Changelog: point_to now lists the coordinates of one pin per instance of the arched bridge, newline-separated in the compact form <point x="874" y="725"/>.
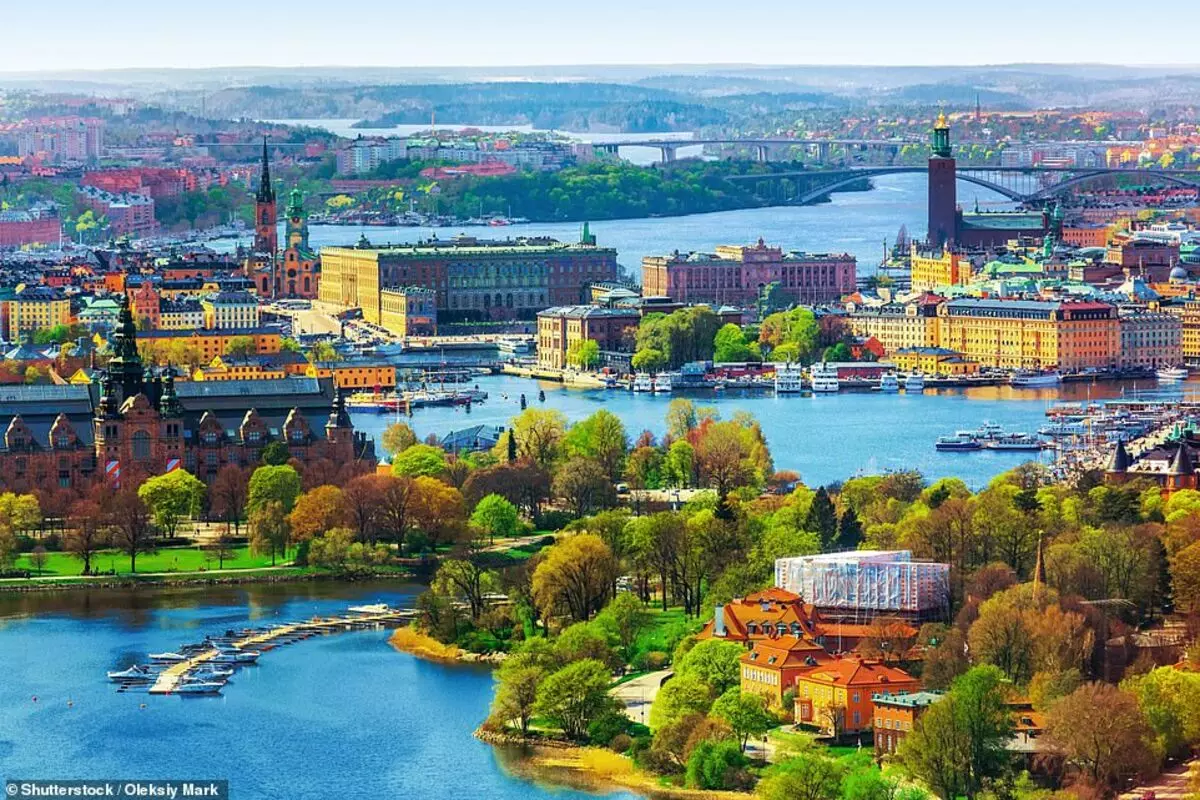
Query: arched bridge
<point x="1019" y="184"/>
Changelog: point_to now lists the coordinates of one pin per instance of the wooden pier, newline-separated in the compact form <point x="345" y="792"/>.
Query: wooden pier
<point x="368" y="616"/>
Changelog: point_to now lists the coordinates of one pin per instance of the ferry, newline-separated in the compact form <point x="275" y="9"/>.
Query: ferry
<point x="663" y="383"/>
<point x="1015" y="441"/>
<point x="642" y="382"/>
<point x="959" y="442"/>
<point x="824" y="377"/>
<point x="888" y="383"/>
<point x="788" y="379"/>
<point x="1178" y="373"/>
<point x="515" y="347"/>
<point x="914" y="383"/>
<point x="1028" y="380"/>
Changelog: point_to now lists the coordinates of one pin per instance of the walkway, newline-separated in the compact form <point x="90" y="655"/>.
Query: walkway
<point x="638" y="694"/>
<point x="1171" y="785"/>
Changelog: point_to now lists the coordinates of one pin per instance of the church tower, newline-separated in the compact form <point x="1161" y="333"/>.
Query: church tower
<point x="266" y="235"/>
<point x="943" y="197"/>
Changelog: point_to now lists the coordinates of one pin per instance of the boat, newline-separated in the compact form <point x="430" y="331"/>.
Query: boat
<point x="235" y="657"/>
<point x="136" y="672"/>
<point x="213" y="672"/>
<point x="889" y="383"/>
<point x="988" y="430"/>
<point x="1015" y="441"/>
<point x="199" y="687"/>
<point x="958" y="442"/>
<point x="914" y="382"/>
<point x="663" y="383"/>
<point x="515" y="347"/>
<point x="824" y="377"/>
<point x="1178" y="373"/>
<point x="642" y="382"/>
<point x="788" y="379"/>
<point x="172" y="657"/>
<point x="1028" y="379"/>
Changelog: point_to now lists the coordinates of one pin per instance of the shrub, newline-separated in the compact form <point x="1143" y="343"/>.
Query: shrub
<point x="640" y="748"/>
<point x="717" y="765"/>
<point x="554" y="520"/>
<point x="650" y="661"/>
<point x="620" y="743"/>
<point x="606" y="727"/>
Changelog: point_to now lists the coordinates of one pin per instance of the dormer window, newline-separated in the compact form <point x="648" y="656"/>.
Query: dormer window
<point x="254" y="437"/>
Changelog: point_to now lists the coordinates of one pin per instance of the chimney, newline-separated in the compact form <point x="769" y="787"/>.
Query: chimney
<point x="719" y="621"/>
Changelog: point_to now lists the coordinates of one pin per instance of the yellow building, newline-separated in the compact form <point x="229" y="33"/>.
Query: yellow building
<point x="33" y="308"/>
<point x="1031" y="334"/>
<point x="899" y="326"/>
<point x="932" y="269"/>
<point x="226" y="368"/>
<point x="156" y="345"/>
<point x="353" y="375"/>
<point x="225" y="310"/>
<point x="933" y="361"/>
<point x="408" y="311"/>
<point x="1191" y="332"/>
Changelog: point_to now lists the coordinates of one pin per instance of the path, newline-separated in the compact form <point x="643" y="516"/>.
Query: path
<point x="637" y="694"/>
<point x="1171" y="785"/>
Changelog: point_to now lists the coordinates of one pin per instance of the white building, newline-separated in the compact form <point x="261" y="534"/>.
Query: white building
<point x="867" y="583"/>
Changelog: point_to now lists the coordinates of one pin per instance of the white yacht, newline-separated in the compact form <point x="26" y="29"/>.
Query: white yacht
<point x="1028" y="379"/>
<point x="1178" y="373"/>
<point x="824" y="377"/>
<point x="663" y="383"/>
<point x="788" y="379"/>
<point x="889" y="383"/>
<point x="642" y="382"/>
<point x="914" y="383"/>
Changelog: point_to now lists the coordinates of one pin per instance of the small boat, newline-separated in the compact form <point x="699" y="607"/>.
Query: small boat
<point x="914" y="382"/>
<point x="959" y="442"/>
<point x="136" y="672"/>
<point x="516" y="347"/>
<point x="213" y="672"/>
<point x="824" y="377"/>
<point x="1028" y="380"/>
<point x="199" y="687"/>
<point x="642" y="382"/>
<point x="989" y="430"/>
<point x="1178" y="373"/>
<point x="1015" y="441"/>
<point x="788" y="379"/>
<point x="663" y="383"/>
<point x="888" y="383"/>
<point x="172" y="657"/>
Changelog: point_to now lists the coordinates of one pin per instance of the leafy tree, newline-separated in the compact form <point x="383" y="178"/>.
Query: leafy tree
<point x="128" y="520"/>
<point x="86" y="534"/>
<point x="715" y="662"/>
<point x="468" y="580"/>
<point x="1185" y="578"/>
<point x="1101" y="731"/>
<point x="398" y="437"/>
<point x="330" y="550"/>
<point x="318" y="510"/>
<point x="516" y="694"/>
<point x="680" y="696"/>
<point x="679" y="467"/>
<point x="574" y="576"/>
<point x="240" y="347"/>
<point x="730" y="345"/>
<point x="583" y="483"/>
<point x="419" y="460"/>
<point x="275" y="454"/>
<point x="822" y="518"/>
<point x="806" y="776"/>
<point x="850" y="533"/>
<point x="1170" y="700"/>
<point x="681" y="417"/>
<point x="497" y="516"/>
<point x="745" y="712"/>
<point x="271" y="484"/>
<point x="436" y="509"/>
<point x="172" y="496"/>
<point x="649" y="360"/>
<point x="716" y="765"/>
<point x="574" y="696"/>
<point x="601" y="437"/>
<point x="584" y="353"/>
<point x="229" y="493"/>
<point x="624" y="618"/>
<point x="269" y="527"/>
<point x="539" y="434"/>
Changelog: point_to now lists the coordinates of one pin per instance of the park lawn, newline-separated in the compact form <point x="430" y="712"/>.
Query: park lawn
<point x="174" y="559"/>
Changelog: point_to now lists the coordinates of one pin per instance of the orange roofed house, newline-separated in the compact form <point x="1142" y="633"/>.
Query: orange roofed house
<point x="772" y="665"/>
<point x="763" y="615"/>
<point x="836" y="696"/>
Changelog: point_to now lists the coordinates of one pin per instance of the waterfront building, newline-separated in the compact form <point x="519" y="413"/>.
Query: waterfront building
<point x="133" y="422"/>
<point x="1031" y="334"/>
<point x="20" y="228"/>
<point x="932" y="268"/>
<point x="224" y="310"/>
<point x="736" y="275"/>
<point x="562" y="328"/>
<point x="32" y="308"/>
<point x="1150" y="339"/>
<point x="353" y="374"/>
<point x="933" y="361"/>
<point x="408" y="310"/>
<point x="474" y="279"/>
<point x="895" y="715"/>
<point x="1189" y="318"/>
<point x="898" y="326"/>
<point x="770" y="668"/>
<point x="836" y="697"/>
<point x="230" y="368"/>
<point x="127" y="214"/>
<point x="867" y="583"/>
<point x="207" y="344"/>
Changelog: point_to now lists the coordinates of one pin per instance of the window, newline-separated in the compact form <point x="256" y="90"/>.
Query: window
<point x="209" y="437"/>
<point x="141" y="446"/>
<point x="254" y="437"/>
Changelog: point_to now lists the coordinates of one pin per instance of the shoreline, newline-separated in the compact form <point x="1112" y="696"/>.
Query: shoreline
<point x="409" y="640"/>
<point x="158" y="581"/>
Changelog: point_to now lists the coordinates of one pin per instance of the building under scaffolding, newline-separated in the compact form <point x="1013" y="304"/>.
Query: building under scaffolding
<point x="862" y="584"/>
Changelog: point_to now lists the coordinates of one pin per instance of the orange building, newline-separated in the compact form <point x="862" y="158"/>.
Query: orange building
<point x="1087" y="237"/>
<point x="836" y="696"/>
<point x="354" y="376"/>
<point x="773" y="665"/>
<point x="768" y="614"/>
<point x="895" y="715"/>
<point x="211" y="344"/>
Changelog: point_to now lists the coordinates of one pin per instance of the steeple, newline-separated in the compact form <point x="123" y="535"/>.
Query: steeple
<point x="125" y="365"/>
<point x="169" y="405"/>
<point x="265" y="193"/>
<point x="941" y="136"/>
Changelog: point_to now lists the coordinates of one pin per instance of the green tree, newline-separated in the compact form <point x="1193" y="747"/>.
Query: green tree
<point x="680" y="696"/>
<point x="806" y="776"/>
<point x="419" y="460"/>
<point x="539" y="434"/>
<point x="715" y="662"/>
<point x="822" y="518"/>
<point x="624" y="618"/>
<point x="730" y="345"/>
<point x="240" y="347"/>
<point x="745" y="712"/>
<point x="679" y="467"/>
<point x="574" y="696"/>
<point x="171" y="497"/>
<point x="398" y="437"/>
<point x="602" y="437"/>
<point x="716" y="765"/>
<point x="516" y="694"/>
<point x="584" y="353"/>
<point x="649" y="359"/>
<point x="584" y="485"/>
<point x="497" y="516"/>
<point x="269" y="530"/>
<point x="273" y="484"/>
<point x="275" y="454"/>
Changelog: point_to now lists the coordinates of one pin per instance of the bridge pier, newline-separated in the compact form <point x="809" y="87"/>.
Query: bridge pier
<point x="762" y="154"/>
<point x="607" y="149"/>
<point x="823" y="149"/>
<point x="668" y="152"/>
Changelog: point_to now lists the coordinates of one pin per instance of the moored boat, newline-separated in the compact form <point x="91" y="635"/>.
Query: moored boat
<point x="171" y="657"/>
<point x="1029" y="379"/>
<point x="958" y="442"/>
<point x="788" y="379"/>
<point x="914" y="382"/>
<point x="889" y="383"/>
<point x="824" y="377"/>
<point x="642" y="382"/>
<point x="1178" y="373"/>
<point x="663" y="383"/>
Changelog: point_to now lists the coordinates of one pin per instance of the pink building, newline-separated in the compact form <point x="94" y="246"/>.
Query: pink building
<point x="735" y="275"/>
<point x="127" y="214"/>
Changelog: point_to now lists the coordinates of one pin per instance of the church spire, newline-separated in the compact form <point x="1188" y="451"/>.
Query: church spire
<point x="265" y="193"/>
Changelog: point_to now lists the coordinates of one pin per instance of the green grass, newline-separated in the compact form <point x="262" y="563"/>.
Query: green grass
<point x="175" y="559"/>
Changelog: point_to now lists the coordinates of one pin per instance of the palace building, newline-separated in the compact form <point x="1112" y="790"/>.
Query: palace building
<point x="133" y="420"/>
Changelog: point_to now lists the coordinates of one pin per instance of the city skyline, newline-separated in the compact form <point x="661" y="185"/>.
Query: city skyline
<point x="277" y="34"/>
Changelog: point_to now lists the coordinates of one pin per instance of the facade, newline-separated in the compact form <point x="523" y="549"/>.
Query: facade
<point x="474" y="279"/>
<point x="408" y="310"/>
<point x="836" y="697"/>
<point x="364" y="154"/>
<point x="943" y="187"/>
<point x="895" y="715"/>
<point x="20" y="228"/>
<point x="736" y="275"/>
<point x="772" y="666"/>
<point x="933" y="361"/>
<point x="32" y="308"/>
<point x="899" y="326"/>
<point x="867" y="583"/>
<point x="61" y="140"/>
<point x="208" y="343"/>
<point x="354" y="375"/>
<point x="1032" y="334"/>
<point x="564" y="327"/>
<point x="300" y="271"/>
<point x="768" y="614"/>
<point x="940" y="267"/>
<point x="1150" y="339"/>
<point x="128" y="214"/>
<point x="180" y="315"/>
<point x="225" y="310"/>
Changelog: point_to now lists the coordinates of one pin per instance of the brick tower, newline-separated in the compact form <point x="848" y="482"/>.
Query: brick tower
<point x="943" y="197"/>
<point x="266" y="235"/>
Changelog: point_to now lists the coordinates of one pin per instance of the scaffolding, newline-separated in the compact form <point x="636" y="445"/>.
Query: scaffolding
<point x="867" y="583"/>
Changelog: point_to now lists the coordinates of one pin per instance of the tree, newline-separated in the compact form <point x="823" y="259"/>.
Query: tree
<point x="222" y="547"/>
<point x="465" y="579"/>
<point x="129" y="522"/>
<point x="396" y="508"/>
<point x="419" y="460"/>
<point x="86" y="533"/>
<point x="227" y="498"/>
<point x="584" y="353"/>
<point x="648" y="360"/>
<point x="730" y="345"/>
<point x="37" y="557"/>
<point x="318" y="510"/>
<point x="731" y="454"/>
<point x="679" y="467"/>
<point x="331" y="549"/>
<point x="436" y="509"/>
<point x="496" y="516"/>
<point x="516" y="694"/>
<point x="850" y="532"/>
<point x="681" y="417"/>
<point x="822" y="518"/>
<point x="680" y="696"/>
<point x="624" y="618"/>
<point x="574" y="576"/>
<point x="275" y="454"/>
<point x="539" y="434"/>
<point x="717" y="765"/>
<point x="583" y="483"/>
<point x="1170" y="700"/>
<point x="271" y="484"/>
<point x="240" y="347"/>
<point x="269" y="527"/>
<point x="745" y="712"/>
<point x="364" y="496"/>
<point x="806" y="776"/>
<point x="398" y="437"/>
<point x="575" y="695"/>
<point x="1185" y="578"/>
<point x="172" y="496"/>
<point x="715" y="662"/>
<point x="1101" y="731"/>
<point x="601" y="437"/>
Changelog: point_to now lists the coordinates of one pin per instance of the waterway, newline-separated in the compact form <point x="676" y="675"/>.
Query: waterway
<point x="338" y="716"/>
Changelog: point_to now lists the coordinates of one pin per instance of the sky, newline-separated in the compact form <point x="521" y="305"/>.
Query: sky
<point x="105" y="34"/>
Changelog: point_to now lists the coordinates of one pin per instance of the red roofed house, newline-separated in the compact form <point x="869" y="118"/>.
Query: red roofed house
<point x="763" y="615"/>
<point x="836" y="696"/>
<point x="772" y="665"/>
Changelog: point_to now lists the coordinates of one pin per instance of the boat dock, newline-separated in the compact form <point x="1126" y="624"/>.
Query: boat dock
<point x="169" y="680"/>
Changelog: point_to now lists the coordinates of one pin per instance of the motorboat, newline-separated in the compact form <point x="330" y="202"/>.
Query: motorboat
<point x="199" y="687"/>
<point x="914" y="382"/>
<point x="1028" y="380"/>
<point x="1015" y="441"/>
<point x="170" y="657"/>
<point x="788" y="379"/>
<point x="135" y="673"/>
<point x="213" y="672"/>
<point x="642" y="382"/>
<point x="1178" y="373"/>
<point x="958" y="442"/>
<point x="663" y="383"/>
<point x="824" y="377"/>
<point x="889" y="383"/>
<point x="235" y="657"/>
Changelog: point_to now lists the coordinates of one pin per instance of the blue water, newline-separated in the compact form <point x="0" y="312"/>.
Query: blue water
<point x="338" y="716"/>
<point x="825" y="438"/>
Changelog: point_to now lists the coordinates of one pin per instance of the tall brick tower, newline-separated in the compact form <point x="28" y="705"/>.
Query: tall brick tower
<point x="266" y="235"/>
<point x="943" y="196"/>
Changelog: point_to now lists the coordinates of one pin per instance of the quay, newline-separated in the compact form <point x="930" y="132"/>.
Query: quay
<point x="360" y="617"/>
